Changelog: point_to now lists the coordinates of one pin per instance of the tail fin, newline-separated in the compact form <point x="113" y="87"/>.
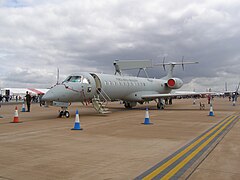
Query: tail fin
<point x="237" y="87"/>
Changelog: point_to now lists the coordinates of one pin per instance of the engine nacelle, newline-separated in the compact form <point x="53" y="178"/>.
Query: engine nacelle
<point x="174" y="83"/>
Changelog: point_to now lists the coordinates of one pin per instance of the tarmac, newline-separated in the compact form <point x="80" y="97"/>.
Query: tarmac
<point x="117" y="145"/>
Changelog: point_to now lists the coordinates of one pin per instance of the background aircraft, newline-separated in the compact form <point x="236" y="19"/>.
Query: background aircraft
<point x="233" y="95"/>
<point x="98" y="89"/>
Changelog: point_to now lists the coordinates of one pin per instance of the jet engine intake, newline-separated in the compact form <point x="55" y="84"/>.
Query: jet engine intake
<point x="174" y="83"/>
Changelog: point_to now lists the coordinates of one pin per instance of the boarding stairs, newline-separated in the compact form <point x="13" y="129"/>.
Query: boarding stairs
<point x="100" y="102"/>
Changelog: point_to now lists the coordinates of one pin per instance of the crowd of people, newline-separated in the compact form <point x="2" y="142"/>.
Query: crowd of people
<point x="4" y="98"/>
<point x="28" y="99"/>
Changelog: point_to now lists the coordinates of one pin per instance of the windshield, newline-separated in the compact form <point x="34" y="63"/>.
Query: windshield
<point x="73" y="79"/>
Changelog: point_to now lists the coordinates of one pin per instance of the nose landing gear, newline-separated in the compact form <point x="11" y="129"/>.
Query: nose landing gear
<point x="64" y="112"/>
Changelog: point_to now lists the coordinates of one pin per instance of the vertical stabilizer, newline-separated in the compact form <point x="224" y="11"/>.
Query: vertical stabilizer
<point x="170" y="70"/>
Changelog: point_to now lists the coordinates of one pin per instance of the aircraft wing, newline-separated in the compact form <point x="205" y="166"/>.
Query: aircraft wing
<point x="176" y="94"/>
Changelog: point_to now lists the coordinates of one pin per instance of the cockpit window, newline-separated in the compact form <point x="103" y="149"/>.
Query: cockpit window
<point x="73" y="79"/>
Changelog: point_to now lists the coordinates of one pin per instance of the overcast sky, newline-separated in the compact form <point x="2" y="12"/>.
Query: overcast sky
<point x="39" y="36"/>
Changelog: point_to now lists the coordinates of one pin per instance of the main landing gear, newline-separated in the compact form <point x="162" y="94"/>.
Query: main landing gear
<point x="160" y="104"/>
<point x="64" y="112"/>
<point x="129" y="105"/>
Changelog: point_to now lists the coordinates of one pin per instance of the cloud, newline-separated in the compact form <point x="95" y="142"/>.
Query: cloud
<point x="37" y="37"/>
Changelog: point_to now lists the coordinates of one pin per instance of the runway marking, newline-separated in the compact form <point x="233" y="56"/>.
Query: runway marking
<point x="176" y="164"/>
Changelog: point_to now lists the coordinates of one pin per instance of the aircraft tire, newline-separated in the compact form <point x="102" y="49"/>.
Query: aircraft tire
<point x="67" y="114"/>
<point x="128" y="105"/>
<point x="61" y="113"/>
<point x="160" y="106"/>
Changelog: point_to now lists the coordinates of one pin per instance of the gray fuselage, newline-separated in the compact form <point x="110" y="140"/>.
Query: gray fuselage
<point x="83" y="87"/>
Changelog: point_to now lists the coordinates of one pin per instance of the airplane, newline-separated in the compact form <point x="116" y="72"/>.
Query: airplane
<point x="231" y="93"/>
<point x="99" y="88"/>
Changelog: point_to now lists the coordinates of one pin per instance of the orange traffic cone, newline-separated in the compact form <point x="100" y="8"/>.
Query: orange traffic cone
<point x="15" y="119"/>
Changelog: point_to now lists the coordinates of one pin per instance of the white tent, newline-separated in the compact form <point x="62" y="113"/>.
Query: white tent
<point x="22" y="91"/>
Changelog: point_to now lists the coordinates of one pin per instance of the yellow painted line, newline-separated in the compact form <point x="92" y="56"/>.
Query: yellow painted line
<point x="187" y="159"/>
<point x="180" y="154"/>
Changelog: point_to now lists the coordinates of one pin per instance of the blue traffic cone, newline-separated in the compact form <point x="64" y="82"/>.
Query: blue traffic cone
<point x="211" y="111"/>
<point x="77" y="122"/>
<point x="147" y="120"/>
<point x="23" y="108"/>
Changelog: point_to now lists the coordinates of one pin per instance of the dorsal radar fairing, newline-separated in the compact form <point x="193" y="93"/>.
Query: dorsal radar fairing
<point x="131" y="64"/>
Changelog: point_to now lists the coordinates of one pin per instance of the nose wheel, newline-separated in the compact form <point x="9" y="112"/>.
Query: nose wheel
<point x="64" y="112"/>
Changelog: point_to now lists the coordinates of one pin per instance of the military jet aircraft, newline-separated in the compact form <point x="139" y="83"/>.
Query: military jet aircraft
<point x="99" y="88"/>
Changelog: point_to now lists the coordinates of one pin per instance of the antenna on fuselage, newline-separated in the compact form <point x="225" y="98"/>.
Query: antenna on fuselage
<point x="182" y="63"/>
<point x="57" y="75"/>
<point x="164" y="67"/>
<point x="226" y="86"/>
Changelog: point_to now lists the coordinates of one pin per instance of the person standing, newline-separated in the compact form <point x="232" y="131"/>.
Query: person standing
<point x="28" y="101"/>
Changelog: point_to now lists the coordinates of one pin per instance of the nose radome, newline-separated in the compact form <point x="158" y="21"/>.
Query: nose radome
<point x="56" y="93"/>
<point x="48" y="95"/>
<point x="52" y="94"/>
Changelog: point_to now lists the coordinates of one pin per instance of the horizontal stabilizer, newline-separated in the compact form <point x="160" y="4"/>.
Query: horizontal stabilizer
<point x="175" y="63"/>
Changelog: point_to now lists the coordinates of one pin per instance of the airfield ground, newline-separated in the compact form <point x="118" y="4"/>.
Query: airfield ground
<point x="112" y="146"/>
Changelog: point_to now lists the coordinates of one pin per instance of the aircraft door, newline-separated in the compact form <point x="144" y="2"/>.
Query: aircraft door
<point x="97" y="82"/>
<point x="87" y="84"/>
<point x="86" y="91"/>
